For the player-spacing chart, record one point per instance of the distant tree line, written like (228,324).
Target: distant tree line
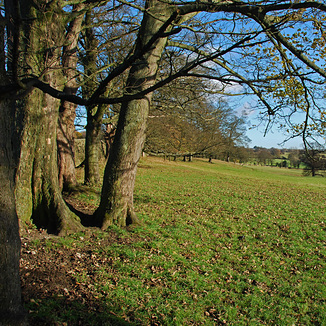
(312,160)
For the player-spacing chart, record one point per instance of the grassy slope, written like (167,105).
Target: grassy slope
(220,244)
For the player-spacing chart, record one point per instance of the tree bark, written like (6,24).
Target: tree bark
(37,187)
(93,146)
(38,193)
(66,146)
(67,115)
(94,112)
(108,138)
(116,206)
(11,307)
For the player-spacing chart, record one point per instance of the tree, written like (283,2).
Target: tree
(234,134)
(184,121)
(38,195)
(294,158)
(116,206)
(67,110)
(263,156)
(11,308)
(275,152)
(298,93)
(94,112)
(243,154)
(314,160)
(102,53)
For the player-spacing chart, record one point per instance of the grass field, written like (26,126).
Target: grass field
(220,244)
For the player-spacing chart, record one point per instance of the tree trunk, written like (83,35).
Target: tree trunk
(66,146)
(11,308)
(94,112)
(116,206)
(37,187)
(38,193)
(108,138)
(93,146)
(67,115)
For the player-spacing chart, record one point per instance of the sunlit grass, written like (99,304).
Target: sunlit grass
(252,240)
(220,244)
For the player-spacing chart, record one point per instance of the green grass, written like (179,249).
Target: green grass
(220,244)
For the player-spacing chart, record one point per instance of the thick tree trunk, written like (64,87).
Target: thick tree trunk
(116,206)
(38,193)
(11,308)
(37,188)
(67,115)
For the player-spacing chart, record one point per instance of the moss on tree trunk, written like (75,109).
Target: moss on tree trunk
(38,194)
(116,207)
(11,307)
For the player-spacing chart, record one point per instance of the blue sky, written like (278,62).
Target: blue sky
(273,138)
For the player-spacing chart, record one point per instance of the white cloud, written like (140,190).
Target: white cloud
(246,109)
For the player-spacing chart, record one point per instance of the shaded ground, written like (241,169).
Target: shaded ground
(52,286)
(84,209)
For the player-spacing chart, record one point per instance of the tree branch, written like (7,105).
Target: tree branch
(246,9)
(231,71)
(131,59)
(274,33)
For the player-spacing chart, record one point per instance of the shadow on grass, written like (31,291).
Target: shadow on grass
(52,296)
(62,311)
(59,286)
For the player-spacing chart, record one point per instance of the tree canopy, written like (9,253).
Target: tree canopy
(272,49)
